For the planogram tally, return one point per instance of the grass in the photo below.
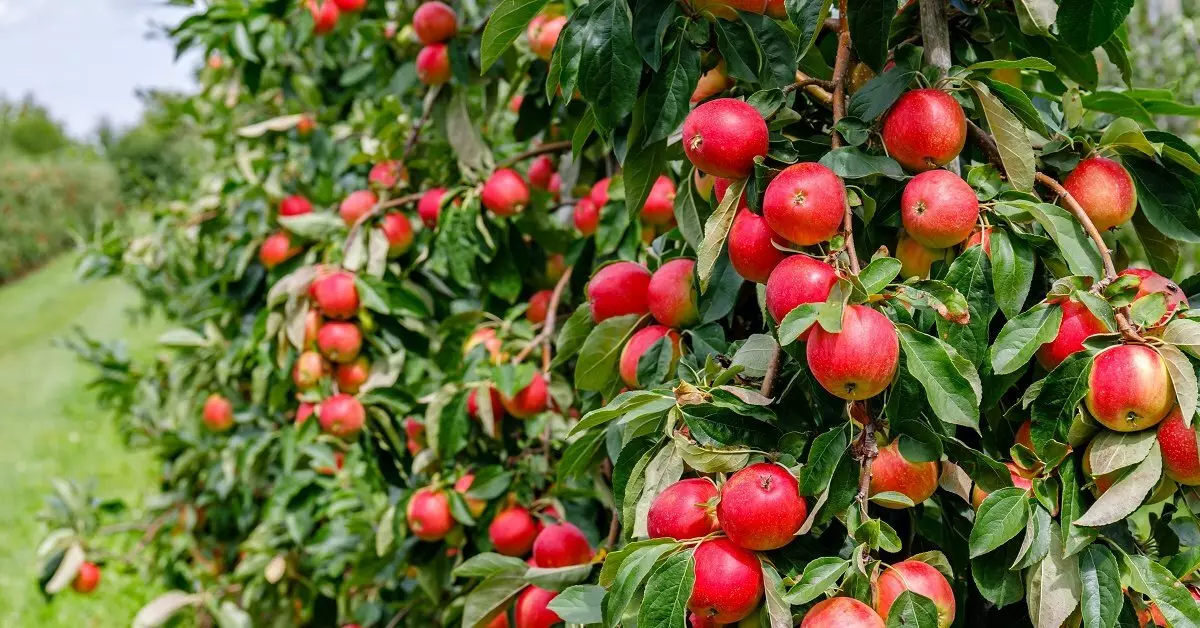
(50, 427)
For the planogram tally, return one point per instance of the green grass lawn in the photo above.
(50, 427)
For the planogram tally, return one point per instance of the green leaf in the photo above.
(849, 162)
(1028, 63)
(1012, 271)
(1058, 399)
(971, 275)
(490, 564)
(1102, 598)
(819, 576)
(1016, 153)
(1184, 333)
(798, 321)
(1000, 518)
(778, 612)
(736, 43)
(558, 578)
(667, 593)
(1036, 16)
(870, 28)
(716, 231)
(878, 95)
(1124, 497)
(633, 571)
(1074, 244)
(599, 354)
(878, 274)
(654, 367)
(755, 354)
(610, 67)
(642, 402)
(827, 450)
(642, 168)
(486, 600)
(778, 51)
(1165, 200)
(1113, 451)
(1075, 538)
(1019, 103)
(687, 215)
(579, 604)
(1173, 599)
(507, 21)
(573, 334)
(912, 610)
(1036, 544)
(996, 582)
(949, 383)
(807, 15)
(1087, 24)
(241, 41)
(1162, 253)
(1021, 337)
(668, 100)
(650, 21)
(1053, 585)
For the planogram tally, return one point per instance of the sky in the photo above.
(84, 59)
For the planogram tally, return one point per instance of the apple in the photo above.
(1104, 190)
(218, 413)
(430, 206)
(433, 64)
(939, 209)
(336, 294)
(399, 233)
(325, 18)
(513, 531)
(858, 362)
(277, 249)
(841, 612)
(893, 473)
(505, 193)
(342, 415)
(586, 216)
(920, 578)
(356, 205)
(351, 376)
(387, 174)
(728, 584)
(87, 578)
(539, 304)
(561, 545)
(711, 83)
(1078, 324)
(752, 250)
(805, 204)
(761, 507)
(1129, 388)
(618, 289)
(428, 514)
(532, 611)
(797, 280)
(672, 295)
(295, 205)
(638, 344)
(723, 136)
(474, 506)
(659, 208)
(339, 341)
(924, 129)
(683, 511)
(434, 22)
(310, 367)
(915, 258)
(530, 401)
(1019, 480)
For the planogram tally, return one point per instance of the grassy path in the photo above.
(50, 427)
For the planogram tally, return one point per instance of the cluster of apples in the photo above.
(434, 23)
(657, 215)
(326, 13)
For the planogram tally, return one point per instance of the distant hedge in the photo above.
(44, 201)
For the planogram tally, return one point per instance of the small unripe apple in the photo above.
(342, 415)
(893, 473)
(505, 193)
(356, 205)
(430, 206)
(729, 581)
(339, 341)
(858, 362)
(87, 578)
(295, 205)
(1019, 480)
(434, 22)
(277, 249)
(805, 204)
(428, 514)
(915, 258)
(761, 507)
(218, 413)
(540, 171)
(539, 304)
(414, 435)
(474, 506)
(561, 545)
(1078, 324)
(599, 193)
(618, 289)
(920, 578)
(659, 208)
(325, 16)
(672, 294)
(752, 250)
(939, 209)
(711, 83)
(1105, 191)
(433, 64)
(531, 610)
(352, 375)
(1129, 388)
(638, 344)
(530, 401)
(387, 174)
(399, 233)
(841, 612)
(310, 367)
(336, 294)
(683, 511)
(513, 531)
(797, 280)
(586, 216)
(1151, 283)
(723, 136)
(924, 129)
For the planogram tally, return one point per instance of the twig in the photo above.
(614, 528)
(772, 372)
(867, 450)
(818, 93)
(552, 147)
(415, 131)
(396, 620)
(803, 80)
(935, 38)
(547, 332)
(841, 70)
(375, 211)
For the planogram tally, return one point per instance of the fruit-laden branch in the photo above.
(988, 144)
(552, 147)
(867, 450)
(375, 211)
(547, 333)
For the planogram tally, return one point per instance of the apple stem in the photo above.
(552, 147)
(547, 333)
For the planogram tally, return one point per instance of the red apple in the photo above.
(751, 247)
(980, 236)
(893, 473)
(920, 578)
(399, 233)
(295, 205)
(433, 64)
(729, 582)
(539, 304)
(683, 511)
(339, 341)
(434, 22)
(586, 216)
(513, 531)
(805, 203)
(428, 514)
(505, 192)
(430, 206)
(475, 506)
(336, 294)
(414, 434)
(939, 209)
(638, 344)
(493, 398)
(797, 280)
(858, 362)
(660, 205)
(303, 412)
(723, 136)
(1129, 388)
(761, 507)
(561, 545)
(218, 413)
(310, 367)
(342, 415)
(325, 16)
(277, 249)
(351, 6)
(1078, 324)
(351, 376)
(387, 174)
(532, 611)
(672, 293)
(540, 172)
(306, 125)
(1151, 283)
(554, 187)
(487, 337)
(1105, 191)
(924, 129)
(543, 35)
(530, 401)
(841, 612)
(599, 193)
(1181, 458)
(356, 205)
(618, 289)
(87, 578)
(711, 83)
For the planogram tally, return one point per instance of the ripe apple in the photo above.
(1181, 459)
(980, 236)
(1151, 283)
(325, 17)
(1078, 323)
(430, 206)
(858, 362)
(434, 22)
(939, 209)
(218, 413)
(805, 203)
(672, 294)
(920, 578)
(841, 612)
(599, 193)
(306, 125)
(539, 303)
(87, 578)
(683, 511)
(924, 129)
(1019, 480)
(505, 192)
(618, 289)
(1105, 191)
(540, 171)
(729, 581)
(797, 280)
(351, 376)
(487, 337)
(530, 401)
(554, 187)
(350, 6)
(561, 545)
(433, 64)
(277, 249)
(399, 233)
(312, 326)
(387, 174)
(1129, 388)
(514, 104)
(543, 38)
(659, 208)
(336, 294)
(893, 473)
(474, 506)
(356, 205)
(414, 435)
(303, 412)
(531, 611)
(295, 205)
(752, 250)
(761, 507)
(342, 415)
(638, 344)
(915, 258)
(339, 341)
(513, 531)
(586, 216)
(493, 398)
(310, 367)
(723, 136)
(428, 514)
(711, 83)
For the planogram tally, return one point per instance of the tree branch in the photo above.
(935, 38)
(375, 211)
(841, 71)
(415, 131)
(804, 80)
(867, 450)
(772, 371)
(547, 332)
(552, 147)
